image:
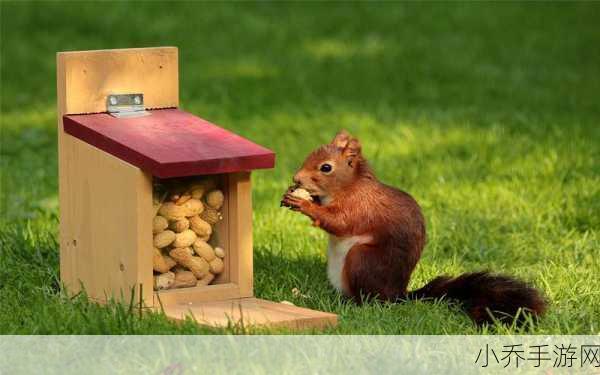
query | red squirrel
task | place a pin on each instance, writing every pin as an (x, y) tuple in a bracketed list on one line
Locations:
[(377, 234)]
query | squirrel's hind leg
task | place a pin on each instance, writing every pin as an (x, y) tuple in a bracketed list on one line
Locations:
[(369, 273)]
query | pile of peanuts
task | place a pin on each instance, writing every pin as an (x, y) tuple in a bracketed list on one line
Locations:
[(182, 228)]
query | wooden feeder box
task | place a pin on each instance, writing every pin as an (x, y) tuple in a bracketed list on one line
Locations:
[(120, 129)]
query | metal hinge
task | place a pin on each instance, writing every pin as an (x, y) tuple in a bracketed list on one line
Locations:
[(126, 105)]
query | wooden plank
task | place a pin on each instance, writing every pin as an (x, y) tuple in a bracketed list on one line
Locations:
[(105, 224), (240, 232), (251, 312), (170, 143), (90, 76)]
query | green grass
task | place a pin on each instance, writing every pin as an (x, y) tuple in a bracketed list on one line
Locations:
[(486, 113)]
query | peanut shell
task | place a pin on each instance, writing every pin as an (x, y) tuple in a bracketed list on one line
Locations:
[(184, 279), (161, 263), (192, 207), (211, 216), (216, 266), (302, 194), (182, 199), (215, 199), (206, 184), (197, 192), (220, 252), (206, 279), (164, 281), (159, 224), (180, 225), (185, 238), (164, 239), (200, 227), (172, 212), (197, 265), (204, 250)]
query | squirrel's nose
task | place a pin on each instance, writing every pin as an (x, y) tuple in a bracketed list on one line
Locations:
[(297, 180)]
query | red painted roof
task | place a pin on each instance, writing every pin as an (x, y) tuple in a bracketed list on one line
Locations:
[(170, 143)]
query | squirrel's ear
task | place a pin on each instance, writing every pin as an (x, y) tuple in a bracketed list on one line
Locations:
[(352, 149), (341, 139), (349, 145)]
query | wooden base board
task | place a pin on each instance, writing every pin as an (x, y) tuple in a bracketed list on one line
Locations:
[(251, 312)]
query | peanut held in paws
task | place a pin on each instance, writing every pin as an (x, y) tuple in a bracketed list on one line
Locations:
[(301, 194), (293, 196)]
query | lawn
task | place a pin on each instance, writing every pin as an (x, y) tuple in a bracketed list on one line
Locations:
[(488, 114)]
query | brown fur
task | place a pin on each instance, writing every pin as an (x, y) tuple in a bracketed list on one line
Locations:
[(357, 204)]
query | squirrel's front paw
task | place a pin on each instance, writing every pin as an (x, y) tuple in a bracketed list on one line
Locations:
[(294, 203), (290, 201)]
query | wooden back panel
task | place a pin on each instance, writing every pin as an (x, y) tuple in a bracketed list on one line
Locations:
[(88, 77)]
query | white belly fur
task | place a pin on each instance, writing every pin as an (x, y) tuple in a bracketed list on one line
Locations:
[(336, 256)]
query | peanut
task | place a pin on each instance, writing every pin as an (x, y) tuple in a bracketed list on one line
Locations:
[(180, 225), (182, 199), (201, 227), (184, 279), (159, 224), (164, 281), (204, 250), (197, 265), (164, 239), (162, 263), (169, 261), (302, 194), (179, 268), (206, 279), (215, 199), (219, 252), (216, 266), (172, 212), (204, 185), (197, 192), (211, 216), (192, 207), (185, 238)]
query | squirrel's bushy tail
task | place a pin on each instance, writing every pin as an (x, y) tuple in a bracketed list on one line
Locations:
[(486, 296)]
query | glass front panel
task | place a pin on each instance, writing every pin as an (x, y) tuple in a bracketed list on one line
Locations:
[(190, 232)]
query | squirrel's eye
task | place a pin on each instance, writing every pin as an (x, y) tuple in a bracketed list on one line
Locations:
[(326, 168)]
